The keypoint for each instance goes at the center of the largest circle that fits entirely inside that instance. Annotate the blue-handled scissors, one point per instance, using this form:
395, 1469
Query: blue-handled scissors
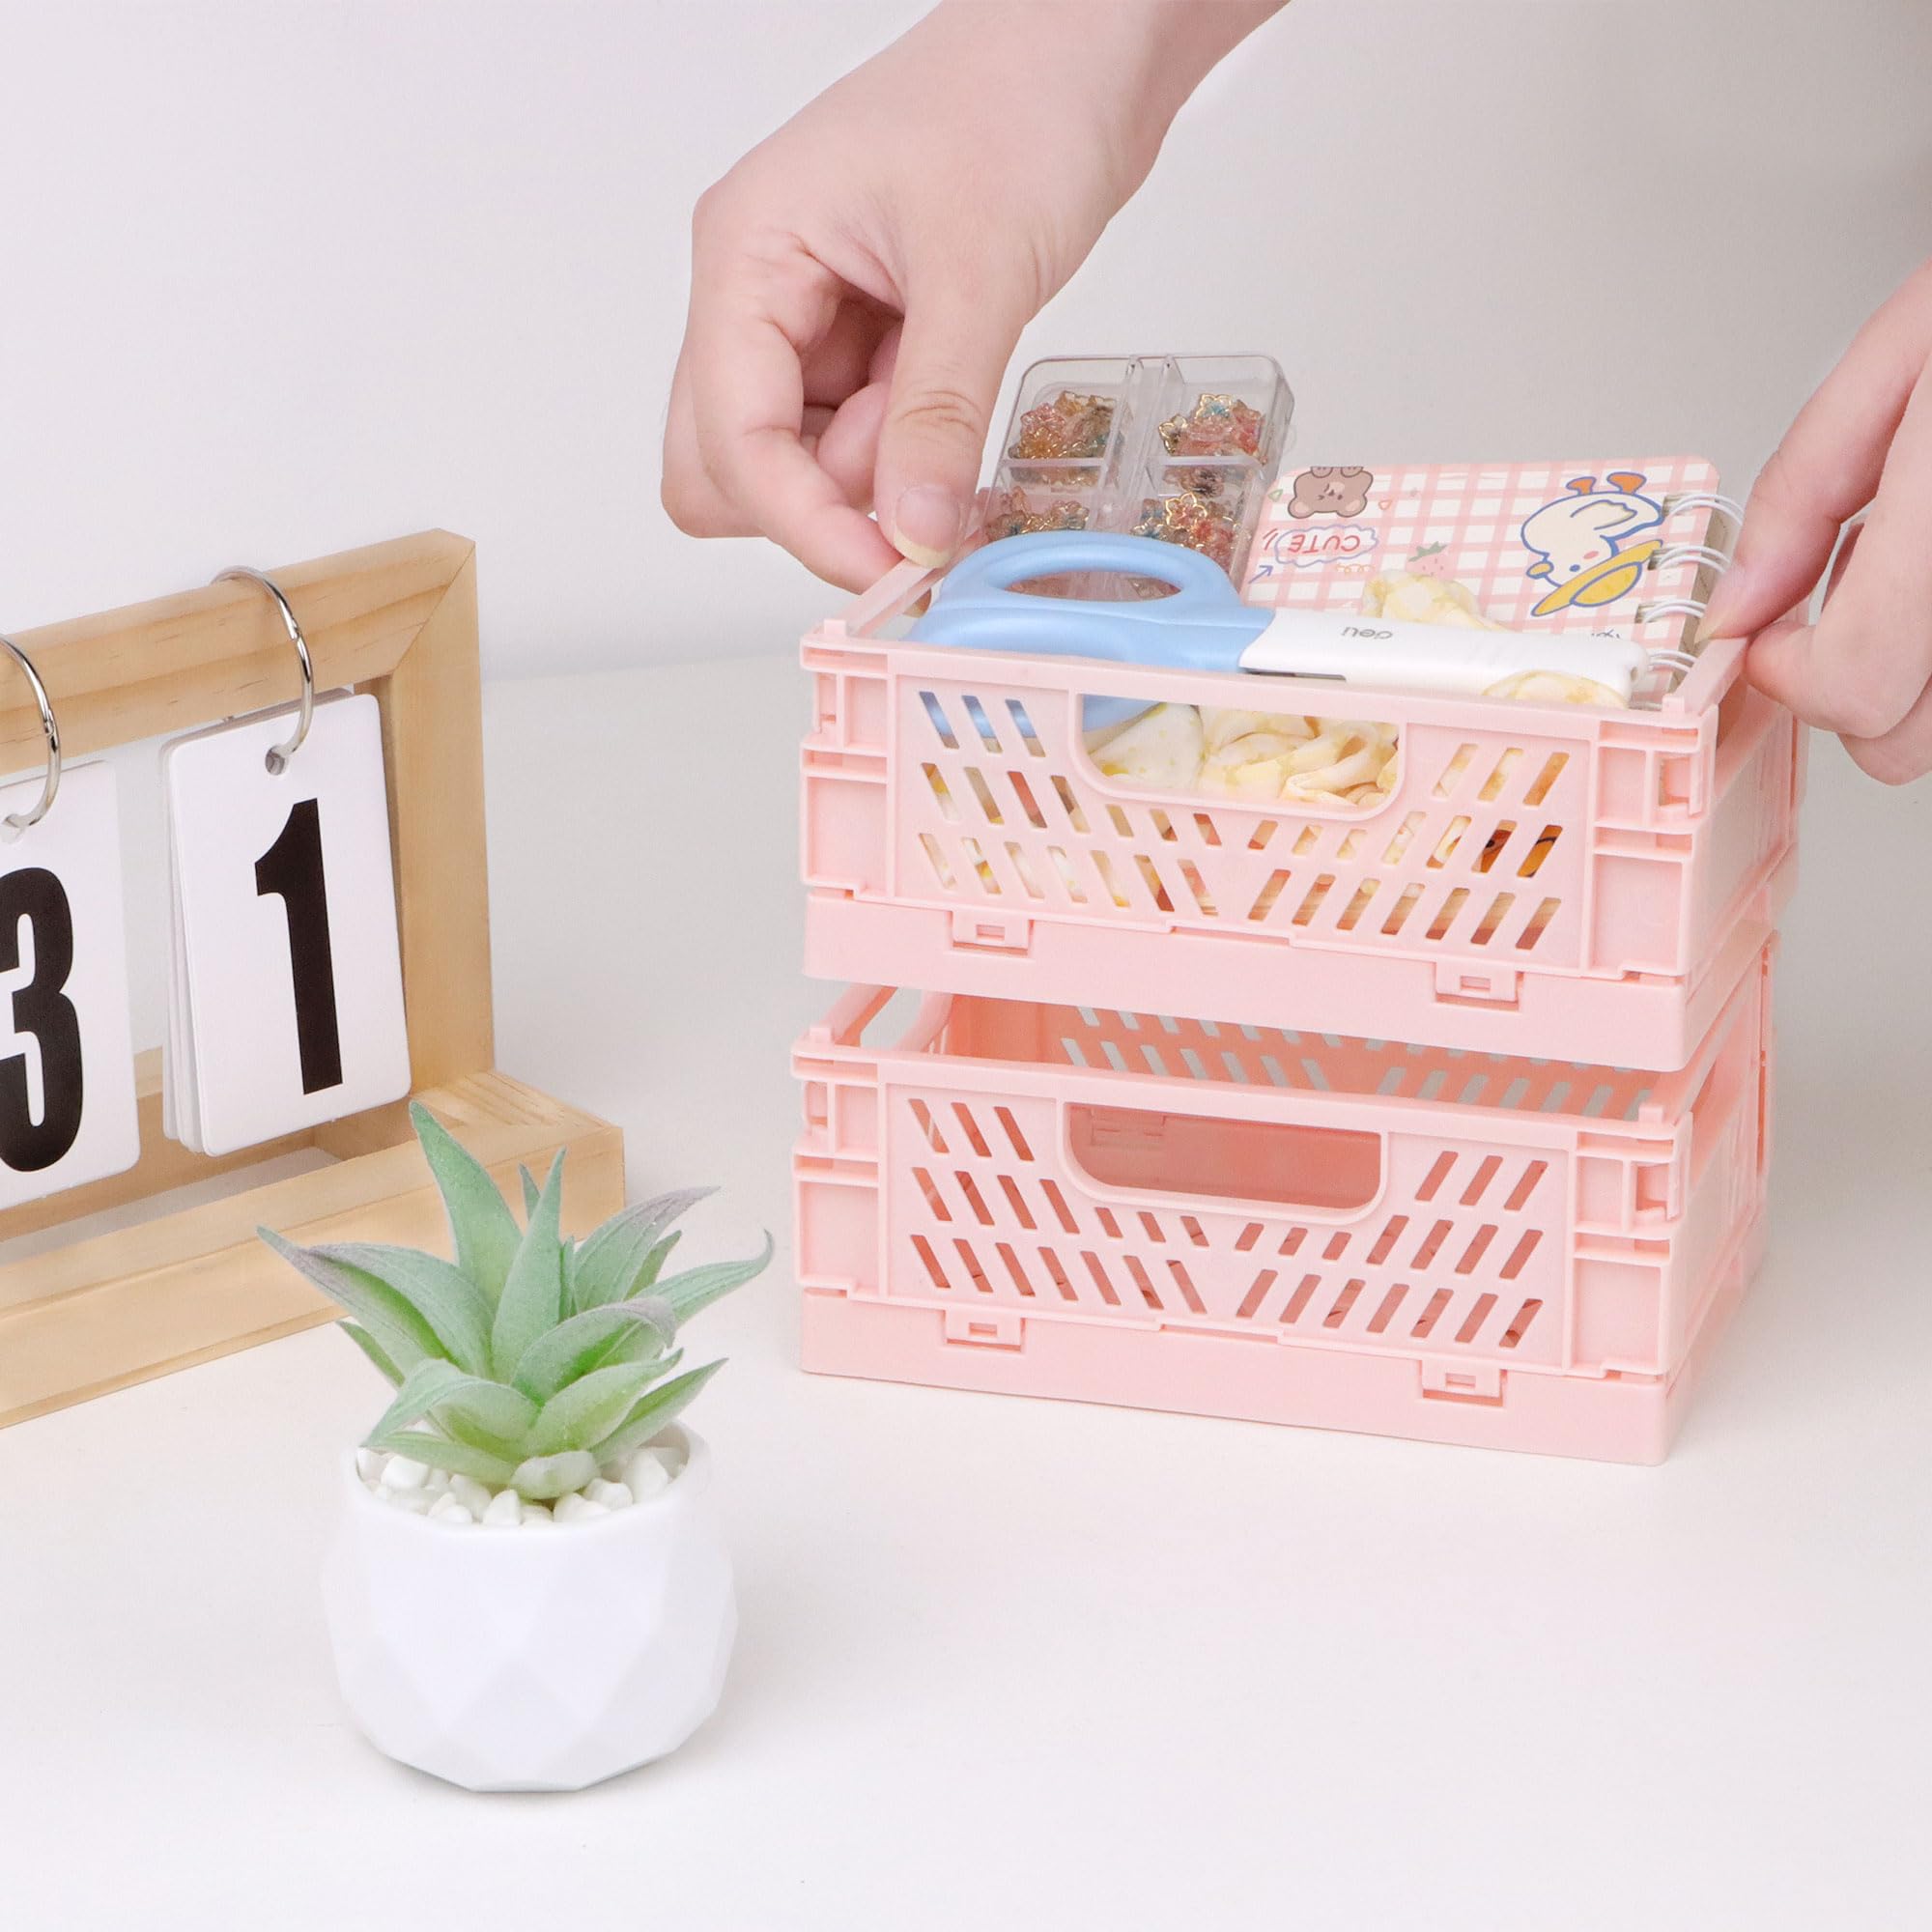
1204, 626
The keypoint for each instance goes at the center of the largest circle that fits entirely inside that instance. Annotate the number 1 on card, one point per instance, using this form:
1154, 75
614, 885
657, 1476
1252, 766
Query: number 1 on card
291, 869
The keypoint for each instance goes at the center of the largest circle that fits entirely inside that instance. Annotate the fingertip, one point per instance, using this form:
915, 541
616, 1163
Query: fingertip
1822, 686
1749, 595
854, 558
1774, 655
1729, 595
926, 523
1878, 759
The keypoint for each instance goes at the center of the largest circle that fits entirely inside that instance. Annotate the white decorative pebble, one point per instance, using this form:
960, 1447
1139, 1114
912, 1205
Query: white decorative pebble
437, 1480
645, 1475
534, 1517
404, 1472
370, 1465
612, 1495
505, 1507
575, 1508
471, 1494
446, 1509
416, 1501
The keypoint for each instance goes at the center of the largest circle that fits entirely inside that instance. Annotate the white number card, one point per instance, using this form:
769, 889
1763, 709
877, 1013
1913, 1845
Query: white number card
288, 1009
67, 1111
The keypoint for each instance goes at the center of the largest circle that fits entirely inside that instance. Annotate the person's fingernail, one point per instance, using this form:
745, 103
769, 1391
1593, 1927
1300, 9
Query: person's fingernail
1724, 599
926, 525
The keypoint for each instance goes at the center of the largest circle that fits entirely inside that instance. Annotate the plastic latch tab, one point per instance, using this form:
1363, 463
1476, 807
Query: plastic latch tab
993, 931
1476, 980
1462, 1381
984, 1327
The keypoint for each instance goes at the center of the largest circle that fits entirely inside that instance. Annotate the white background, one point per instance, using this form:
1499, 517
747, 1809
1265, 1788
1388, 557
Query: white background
279, 278
282, 277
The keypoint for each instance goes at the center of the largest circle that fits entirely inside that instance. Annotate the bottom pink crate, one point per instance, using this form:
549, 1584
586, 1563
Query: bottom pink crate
1236, 1220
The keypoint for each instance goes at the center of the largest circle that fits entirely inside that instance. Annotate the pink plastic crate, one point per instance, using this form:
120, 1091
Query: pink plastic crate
1544, 878
1292, 1227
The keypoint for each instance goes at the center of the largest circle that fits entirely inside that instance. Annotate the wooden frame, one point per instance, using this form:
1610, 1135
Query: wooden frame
398, 619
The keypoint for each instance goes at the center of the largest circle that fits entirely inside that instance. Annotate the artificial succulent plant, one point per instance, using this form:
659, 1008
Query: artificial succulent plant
531, 1359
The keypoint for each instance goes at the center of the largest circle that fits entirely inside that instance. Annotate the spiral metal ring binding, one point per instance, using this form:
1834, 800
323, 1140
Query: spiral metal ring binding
1706, 500
1706, 556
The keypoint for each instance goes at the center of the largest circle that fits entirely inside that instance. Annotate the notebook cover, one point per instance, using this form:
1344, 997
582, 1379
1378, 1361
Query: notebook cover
1558, 546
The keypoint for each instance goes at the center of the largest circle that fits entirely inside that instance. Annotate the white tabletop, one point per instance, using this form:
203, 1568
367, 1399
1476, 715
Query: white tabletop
1013, 1664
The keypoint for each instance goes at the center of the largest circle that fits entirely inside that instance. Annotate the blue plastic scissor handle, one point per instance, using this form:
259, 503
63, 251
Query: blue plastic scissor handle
1204, 626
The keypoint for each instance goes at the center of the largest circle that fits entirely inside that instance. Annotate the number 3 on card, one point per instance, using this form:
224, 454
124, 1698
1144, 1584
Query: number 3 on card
288, 991
67, 1113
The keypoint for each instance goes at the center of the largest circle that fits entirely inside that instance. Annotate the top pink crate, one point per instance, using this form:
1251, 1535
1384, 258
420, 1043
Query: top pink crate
1542, 879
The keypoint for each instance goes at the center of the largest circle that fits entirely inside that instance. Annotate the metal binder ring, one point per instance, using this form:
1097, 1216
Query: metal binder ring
21, 821
278, 759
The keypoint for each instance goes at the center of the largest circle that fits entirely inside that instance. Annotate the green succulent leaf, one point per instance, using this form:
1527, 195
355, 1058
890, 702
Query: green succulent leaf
460, 1427
589, 1408
532, 1192
480, 1223
599, 1337
700, 1287
491, 1417
460, 1459
440, 1292
367, 1343
533, 1301
654, 1261
396, 1328
413, 1399
612, 1259
653, 1412
542, 1479
532, 1357
487, 1415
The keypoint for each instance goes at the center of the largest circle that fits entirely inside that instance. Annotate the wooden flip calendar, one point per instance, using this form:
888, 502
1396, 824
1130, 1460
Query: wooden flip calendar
398, 621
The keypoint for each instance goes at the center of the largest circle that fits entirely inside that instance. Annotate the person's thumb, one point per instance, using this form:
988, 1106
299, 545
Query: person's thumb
954, 348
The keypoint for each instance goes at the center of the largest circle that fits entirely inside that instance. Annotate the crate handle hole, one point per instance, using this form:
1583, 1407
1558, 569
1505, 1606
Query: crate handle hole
1140, 1152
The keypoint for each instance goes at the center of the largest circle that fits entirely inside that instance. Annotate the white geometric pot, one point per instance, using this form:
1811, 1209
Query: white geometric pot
532, 1659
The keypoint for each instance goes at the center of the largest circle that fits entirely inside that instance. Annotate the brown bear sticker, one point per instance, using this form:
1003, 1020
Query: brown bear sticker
1329, 492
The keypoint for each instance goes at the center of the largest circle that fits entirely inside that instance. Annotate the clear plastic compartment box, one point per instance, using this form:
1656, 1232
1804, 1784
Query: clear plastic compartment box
1116, 1206
1178, 447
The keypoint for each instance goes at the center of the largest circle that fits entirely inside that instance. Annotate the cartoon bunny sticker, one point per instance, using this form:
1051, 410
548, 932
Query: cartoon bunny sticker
1589, 542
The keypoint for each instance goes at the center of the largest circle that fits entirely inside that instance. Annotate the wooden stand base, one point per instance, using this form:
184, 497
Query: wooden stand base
397, 619
100, 1314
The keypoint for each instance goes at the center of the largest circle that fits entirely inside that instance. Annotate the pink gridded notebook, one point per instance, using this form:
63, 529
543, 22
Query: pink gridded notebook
1594, 545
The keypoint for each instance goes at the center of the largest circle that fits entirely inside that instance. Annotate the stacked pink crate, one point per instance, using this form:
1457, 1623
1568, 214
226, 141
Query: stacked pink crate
1439, 1113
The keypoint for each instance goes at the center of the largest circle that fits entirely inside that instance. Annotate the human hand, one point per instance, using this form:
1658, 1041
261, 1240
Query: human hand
860, 279
1864, 669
